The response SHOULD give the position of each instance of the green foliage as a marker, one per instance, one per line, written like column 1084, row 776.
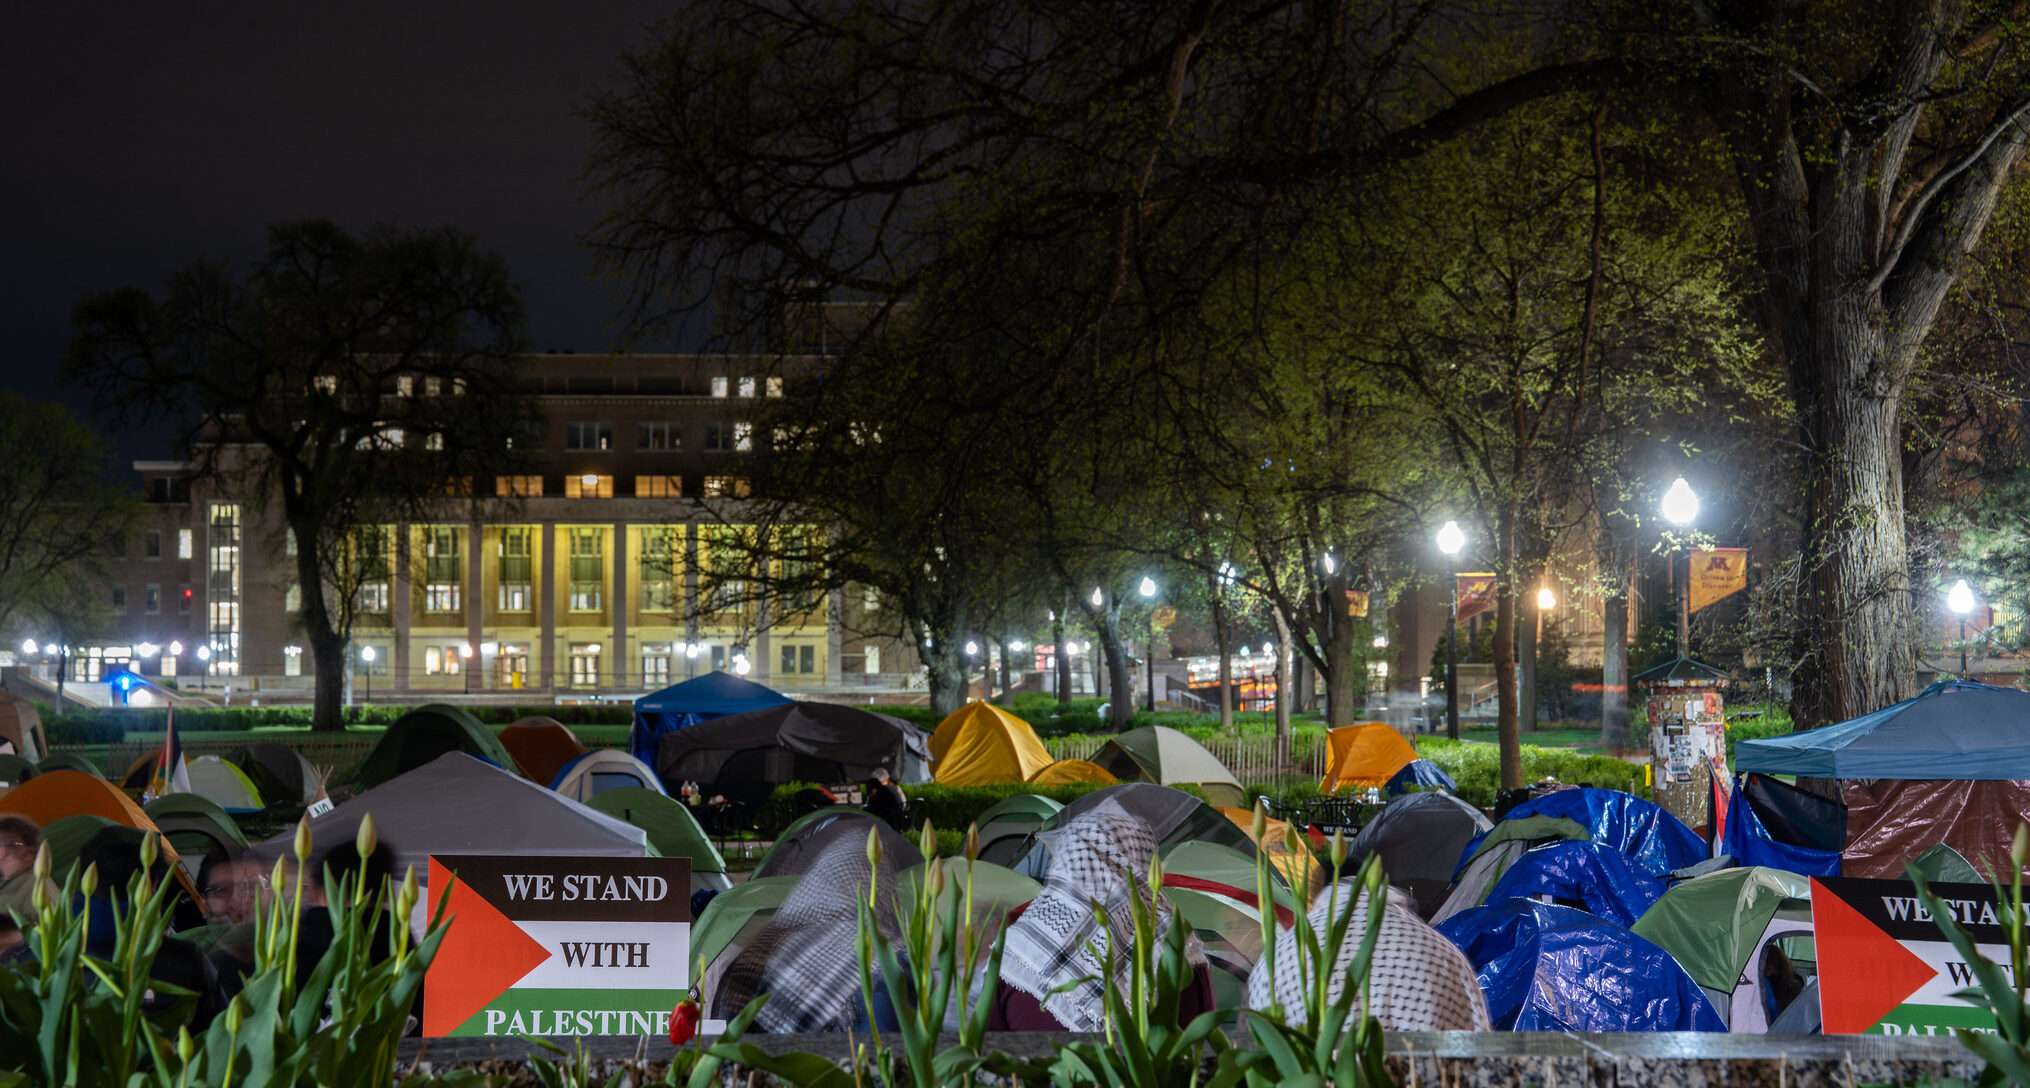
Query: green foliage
column 1477, row 768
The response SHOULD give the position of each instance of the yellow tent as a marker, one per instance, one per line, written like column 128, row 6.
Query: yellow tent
column 1368, row 754
column 1064, row 772
column 981, row 743
column 1299, row 870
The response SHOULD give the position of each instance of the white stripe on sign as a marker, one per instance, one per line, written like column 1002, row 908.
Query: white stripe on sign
column 1953, row 973
column 610, row 956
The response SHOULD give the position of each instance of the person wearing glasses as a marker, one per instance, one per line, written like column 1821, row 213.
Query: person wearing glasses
column 20, row 838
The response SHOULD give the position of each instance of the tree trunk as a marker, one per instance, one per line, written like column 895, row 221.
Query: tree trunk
column 1120, row 681
column 327, row 641
column 1282, row 690
column 1526, row 664
column 1345, row 681
column 950, row 684
column 1222, row 632
column 1063, row 658
column 1504, row 654
column 1007, row 685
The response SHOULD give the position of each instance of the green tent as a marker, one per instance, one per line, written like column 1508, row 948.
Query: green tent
column 1006, row 825
column 422, row 735
column 731, row 913
column 1214, row 890
column 1224, row 865
column 1719, row 925
column 1160, row 754
column 67, row 761
column 1944, row 865
column 1033, row 807
column 807, row 836
column 996, row 890
column 672, row 831
column 193, row 823
column 14, row 768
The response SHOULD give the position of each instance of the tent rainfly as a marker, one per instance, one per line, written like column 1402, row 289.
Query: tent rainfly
column 1720, row 926
column 21, row 728
column 1067, row 772
column 680, row 706
column 1160, row 754
column 422, row 735
column 541, row 746
column 606, row 769
column 980, row 744
column 672, row 831
column 1366, row 755
column 281, row 773
column 744, row 755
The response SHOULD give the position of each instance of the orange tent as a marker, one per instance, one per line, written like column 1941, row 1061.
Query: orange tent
column 542, row 746
column 51, row 796
column 1368, row 754
column 1300, row 870
column 1065, row 772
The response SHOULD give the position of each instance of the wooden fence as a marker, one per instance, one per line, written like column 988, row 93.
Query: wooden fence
column 1251, row 759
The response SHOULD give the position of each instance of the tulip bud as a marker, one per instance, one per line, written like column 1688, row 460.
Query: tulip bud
column 186, row 1047
column 42, row 861
column 935, row 877
column 406, row 900
column 145, row 885
column 683, row 1022
column 1155, row 873
column 873, row 846
column 973, row 842
column 1293, row 840
column 365, row 841
column 1261, row 825
column 234, row 1016
column 926, row 841
column 2019, row 851
column 151, row 849
column 279, row 875
column 303, row 838
column 1374, row 878
column 1338, row 848
column 90, row 883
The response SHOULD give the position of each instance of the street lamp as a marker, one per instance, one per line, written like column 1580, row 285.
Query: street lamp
column 1148, row 591
column 465, row 665
column 366, row 654
column 1545, row 602
column 1451, row 541
column 1680, row 506
column 1961, row 600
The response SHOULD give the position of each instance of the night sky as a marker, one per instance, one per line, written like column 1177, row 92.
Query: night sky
column 139, row 136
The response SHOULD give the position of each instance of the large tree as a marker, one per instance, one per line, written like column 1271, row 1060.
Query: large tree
column 61, row 516
column 353, row 382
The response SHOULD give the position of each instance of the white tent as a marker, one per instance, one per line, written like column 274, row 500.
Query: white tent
column 604, row 769
column 223, row 784
column 457, row 804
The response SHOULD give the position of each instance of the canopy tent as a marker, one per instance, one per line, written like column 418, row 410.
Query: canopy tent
column 15, row 768
column 744, row 756
column 21, row 731
column 281, row 773
column 52, row 795
column 422, row 736
column 1367, row 754
column 1006, row 825
column 1654, row 839
column 701, row 699
column 805, row 838
column 1066, row 772
column 196, row 826
column 1591, row 876
column 605, row 769
column 1160, row 754
column 68, row 761
column 460, row 804
column 672, row 831
column 1550, row 968
column 1420, row 774
column 541, row 746
column 1172, row 816
column 1418, row 836
column 1719, row 925
column 980, row 744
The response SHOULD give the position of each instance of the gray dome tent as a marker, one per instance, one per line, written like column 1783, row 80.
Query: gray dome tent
column 744, row 756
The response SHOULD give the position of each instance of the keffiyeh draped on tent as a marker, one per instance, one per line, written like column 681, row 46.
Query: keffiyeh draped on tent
column 1419, row 981
column 807, row 961
column 1102, row 857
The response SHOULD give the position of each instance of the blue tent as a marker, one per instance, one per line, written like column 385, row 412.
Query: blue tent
column 1953, row 729
column 1420, row 774
column 1598, row 878
column 1655, row 840
column 713, row 695
column 1552, row 968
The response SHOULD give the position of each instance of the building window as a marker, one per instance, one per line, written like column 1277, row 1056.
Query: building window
column 588, row 436
column 716, row 437
column 746, row 387
column 153, row 548
column 441, row 661
column 720, row 386
column 588, row 486
column 372, row 597
column 325, row 383
column 584, row 664
column 657, row 436
column 774, row 386
column 183, row 544
column 655, row 664
column 120, row 599
column 288, row 542
column 659, row 487
column 873, row 600
column 443, row 569
column 405, row 385
column 515, row 570
column 788, row 659
column 743, row 437
column 726, row 487
column 726, row 568
column 718, row 657
column 292, row 597
column 292, row 661
column 658, row 570
column 588, row 569
column 222, row 588
column 513, row 663
column 433, row 386
column 434, row 440
column 151, row 599
column 873, row 658
column 519, row 487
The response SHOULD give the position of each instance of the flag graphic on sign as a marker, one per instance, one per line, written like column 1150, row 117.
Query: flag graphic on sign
column 1884, row 966
column 1717, row 573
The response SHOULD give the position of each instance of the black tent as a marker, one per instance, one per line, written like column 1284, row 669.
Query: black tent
column 1419, row 837
column 744, row 756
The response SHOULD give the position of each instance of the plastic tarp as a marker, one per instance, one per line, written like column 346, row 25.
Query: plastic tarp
column 806, row 837
column 1749, row 842
column 605, row 769
column 1160, row 754
column 1524, row 829
column 1596, row 878
column 1067, row 772
column 1418, row 836
column 423, row 735
column 1712, row 924
column 541, row 746
column 460, row 804
column 680, row 706
column 280, row 772
column 980, row 743
column 1420, row 774
column 745, row 755
column 1654, row 839
column 1793, row 815
column 1550, row 968
column 1367, row 754
column 1890, row 822
column 672, row 831
column 1958, row 729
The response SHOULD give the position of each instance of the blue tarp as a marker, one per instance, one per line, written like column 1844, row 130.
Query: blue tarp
column 1953, row 729
column 1597, row 877
column 1552, row 968
column 1654, row 839
column 713, row 695
column 1751, row 843
column 1420, row 774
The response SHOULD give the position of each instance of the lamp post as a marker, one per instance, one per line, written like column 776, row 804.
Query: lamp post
column 1535, row 631
column 465, row 665
column 1680, row 507
column 1148, row 591
column 366, row 654
column 1961, row 600
column 1451, row 541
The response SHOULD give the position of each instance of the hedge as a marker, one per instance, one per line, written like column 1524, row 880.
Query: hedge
column 1477, row 768
column 106, row 725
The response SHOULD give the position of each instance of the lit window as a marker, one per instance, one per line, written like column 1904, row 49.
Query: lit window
column 588, row 486
column 722, row 487
column 405, row 385
column 434, row 440
column 515, row 570
column 774, row 387
column 372, row 597
column 433, row 387
column 720, row 386
column 288, row 542
column 183, row 544
column 873, row 658
column 747, row 387
column 443, row 569
column 588, row 436
column 325, row 383
column 292, row 597
column 588, row 569
column 743, row 437
column 520, row 487
column 584, row 664
column 659, row 487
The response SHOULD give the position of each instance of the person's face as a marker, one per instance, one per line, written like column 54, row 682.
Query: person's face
column 231, row 892
column 16, row 857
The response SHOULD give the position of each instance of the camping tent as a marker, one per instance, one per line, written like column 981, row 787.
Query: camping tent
column 1066, row 772
column 1776, row 824
column 52, row 795
column 1215, row 891
column 1593, row 877
column 733, row 917
column 1160, row 754
column 15, row 768
column 746, row 755
column 671, row 829
column 1006, row 825
column 21, row 728
column 1549, row 968
column 680, row 706
column 1418, row 836
column 459, row 804
column 1367, row 754
column 1655, row 840
column 424, row 734
column 223, row 784
column 980, row 743
column 1928, row 770
column 1488, row 856
column 68, row 761
column 1419, row 774
column 1172, row 815
column 994, row 891
column 196, row 825
column 281, row 773
column 1298, row 869
column 807, row 836
column 1719, row 928
column 541, row 746
column 605, row 769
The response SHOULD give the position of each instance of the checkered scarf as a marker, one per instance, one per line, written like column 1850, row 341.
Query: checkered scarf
column 807, row 960
column 1419, row 980
column 1100, row 857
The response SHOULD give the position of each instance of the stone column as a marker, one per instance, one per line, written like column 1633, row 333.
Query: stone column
column 546, row 650
column 404, row 609
column 620, row 669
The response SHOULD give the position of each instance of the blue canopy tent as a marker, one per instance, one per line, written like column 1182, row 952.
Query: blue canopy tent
column 1550, row 968
column 1655, row 840
column 713, row 695
column 1597, row 878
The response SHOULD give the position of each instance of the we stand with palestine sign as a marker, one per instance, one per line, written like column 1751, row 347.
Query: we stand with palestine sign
column 1884, row 966
column 559, row 946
